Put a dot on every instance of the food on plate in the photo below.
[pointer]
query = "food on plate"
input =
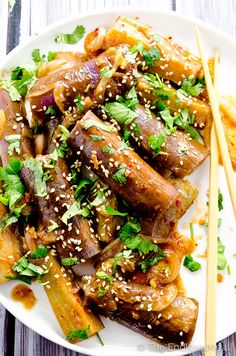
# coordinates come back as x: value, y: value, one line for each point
x: 95, y: 150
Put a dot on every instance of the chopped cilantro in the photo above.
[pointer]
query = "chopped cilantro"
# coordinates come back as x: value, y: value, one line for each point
x: 40, y: 252
x: 191, y: 86
x: 74, y: 209
x: 14, y: 144
x: 78, y: 334
x: 37, y: 58
x: 96, y: 138
x: 191, y: 230
x: 151, y: 56
x: 106, y: 72
x: 136, y: 129
x: 40, y: 183
x: 51, y: 56
x: 156, y: 142
x: 126, y: 254
x: 79, y: 103
x: 100, y: 199
x: 111, y: 211
x: 51, y: 111
x: 126, y: 134
x: 119, y: 175
x: 194, y: 133
x: 69, y: 261
x: 7, y: 220
x: 154, y: 80
x: 121, y: 113
x: 109, y: 150
x: 105, y: 276
x: 220, y: 201
x: 53, y: 226
x: 148, y: 262
x: 221, y: 259
x: 13, y: 187
x: 103, y: 291
x: 192, y: 265
x: 71, y: 38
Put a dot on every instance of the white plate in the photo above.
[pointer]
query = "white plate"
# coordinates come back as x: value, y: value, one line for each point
x: 119, y: 339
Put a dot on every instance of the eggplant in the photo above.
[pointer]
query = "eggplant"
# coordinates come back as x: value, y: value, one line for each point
x: 74, y: 239
x: 123, y: 170
x: 173, y: 326
x: 197, y: 107
x: 60, y: 89
x: 160, y: 226
x: 14, y: 123
x: 180, y: 153
x: 176, y: 62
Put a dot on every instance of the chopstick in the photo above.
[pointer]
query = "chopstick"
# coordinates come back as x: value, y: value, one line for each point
x: 221, y: 140
x: 211, y: 279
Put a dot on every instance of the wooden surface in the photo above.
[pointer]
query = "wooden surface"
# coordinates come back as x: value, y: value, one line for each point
x: 30, y: 16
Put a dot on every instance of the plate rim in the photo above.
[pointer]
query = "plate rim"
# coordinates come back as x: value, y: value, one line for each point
x: 203, y: 25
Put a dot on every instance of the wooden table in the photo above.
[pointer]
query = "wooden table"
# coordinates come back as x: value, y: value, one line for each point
x: 30, y: 16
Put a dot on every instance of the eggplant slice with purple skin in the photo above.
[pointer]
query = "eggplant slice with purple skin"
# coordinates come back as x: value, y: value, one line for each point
x: 173, y: 326
x: 122, y: 169
x: 61, y: 89
x: 74, y: 239
x: 181, y: 154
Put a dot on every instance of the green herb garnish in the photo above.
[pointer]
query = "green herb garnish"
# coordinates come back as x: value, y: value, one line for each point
x: 71, y: 38
x: 192, y: 265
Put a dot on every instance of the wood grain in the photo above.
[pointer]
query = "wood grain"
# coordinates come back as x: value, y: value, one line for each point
x: 29, y: 17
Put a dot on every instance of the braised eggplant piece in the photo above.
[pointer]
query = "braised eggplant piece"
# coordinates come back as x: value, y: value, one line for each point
x: 159, y: 227
x: 13, y: 128
x: 74, y: 238
x: 173, y: 326
x: 61, y: 89
x: 179, y: 153
x: 198, y: 108
x: 10, y: 248
x: 124, y: 171
x: 106, y: 224
x: 175, y: 63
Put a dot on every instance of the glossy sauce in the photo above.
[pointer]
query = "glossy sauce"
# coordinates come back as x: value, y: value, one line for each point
x: 23, y: 294
x: 228, y: 114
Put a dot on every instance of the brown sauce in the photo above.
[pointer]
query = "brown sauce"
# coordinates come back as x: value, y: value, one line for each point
x: 23, y: 294
x: 228, y: 115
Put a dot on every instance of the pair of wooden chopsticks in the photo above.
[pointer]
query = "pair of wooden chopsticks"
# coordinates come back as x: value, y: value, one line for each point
x: 218, y: 140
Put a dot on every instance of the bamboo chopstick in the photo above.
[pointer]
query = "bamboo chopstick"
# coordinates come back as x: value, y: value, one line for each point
x: 211, y: 280
x: 221, y: 140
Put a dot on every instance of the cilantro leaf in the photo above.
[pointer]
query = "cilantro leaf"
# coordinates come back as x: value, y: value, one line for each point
x: 79, y: 103
x: 156, y: 142
x: 105, y: 276
x: 100, y: 199
x: 106, y: 72
x: 109, y: 150
x: 74, y: 210
x: 220, y: 201
x: 14, y: 141
x: 111, y: 211
x: 69, y: 261
x: 51, y: 111
x: 148, y: 262
x: 192, y: 265
x: 71, y: 38
x: 151, y: 56
x: 119, y: 175
x: 40, y: 252
x: 78, y: 334
x: 7, y: 220
x: 40, y: 183
x: 122, y: 114
x: 191, y: 86
x: 96, y: 138
x: 221, y: 259
x: 53, y: 226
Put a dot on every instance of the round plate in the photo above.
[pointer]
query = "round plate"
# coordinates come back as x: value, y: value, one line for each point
x: 118, y: 339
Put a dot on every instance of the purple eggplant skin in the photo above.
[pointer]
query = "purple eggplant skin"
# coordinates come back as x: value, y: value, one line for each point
x: 160, y: 226
x: 15, y: 124
x: 62, y: 87
x: 141, y: 186
x: 173, y: 326
x: 181, y: 154
x: 74, y: 239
